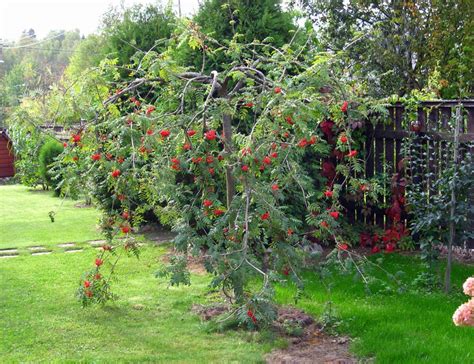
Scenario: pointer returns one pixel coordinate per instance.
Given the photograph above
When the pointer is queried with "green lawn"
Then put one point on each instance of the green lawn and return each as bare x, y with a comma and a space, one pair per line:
24, 219
40, 319
395, 328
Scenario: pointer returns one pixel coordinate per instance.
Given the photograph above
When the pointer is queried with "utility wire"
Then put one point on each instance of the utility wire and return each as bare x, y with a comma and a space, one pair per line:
36, 43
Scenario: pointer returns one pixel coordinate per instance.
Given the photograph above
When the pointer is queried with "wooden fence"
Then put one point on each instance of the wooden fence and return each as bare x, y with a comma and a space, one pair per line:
383, 147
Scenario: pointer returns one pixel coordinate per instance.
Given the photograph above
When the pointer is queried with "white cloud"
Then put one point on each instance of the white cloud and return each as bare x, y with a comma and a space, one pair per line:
46, 15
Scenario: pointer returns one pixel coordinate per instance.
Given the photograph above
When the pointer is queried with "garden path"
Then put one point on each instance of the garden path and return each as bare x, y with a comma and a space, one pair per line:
156, 237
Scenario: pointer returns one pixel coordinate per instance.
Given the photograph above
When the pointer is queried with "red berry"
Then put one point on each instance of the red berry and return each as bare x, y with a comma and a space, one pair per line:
191, 132
149, 132
196, 160
343, 139
115, 173
289, 120
249, 104
96, 156
313, 140
87, 284
76, 138
246, 151
244, 168
302, 143
65, 145
165, 133
267, 160
274, 155
89, 293
125, 229
344, 106
98, 262
97, 276
277, 90
352, 153
209, 159
328, 193
334, 214
265, 216
120, 160
218, 212
289, 232
125, 215
343, 246
207, 203
150, 110
324, 224
210, 135
212, 171
187, 146
275, 187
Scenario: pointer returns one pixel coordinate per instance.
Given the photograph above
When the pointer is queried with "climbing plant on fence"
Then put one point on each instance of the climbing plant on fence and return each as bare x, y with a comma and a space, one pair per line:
228, 154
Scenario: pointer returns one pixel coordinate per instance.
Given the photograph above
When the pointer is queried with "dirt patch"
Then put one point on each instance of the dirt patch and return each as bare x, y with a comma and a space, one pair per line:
195, 264
157, 233
209, 312
308, 343
83, 205
315, 348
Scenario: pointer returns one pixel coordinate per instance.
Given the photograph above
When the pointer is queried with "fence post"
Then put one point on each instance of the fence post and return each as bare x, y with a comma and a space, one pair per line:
447, 282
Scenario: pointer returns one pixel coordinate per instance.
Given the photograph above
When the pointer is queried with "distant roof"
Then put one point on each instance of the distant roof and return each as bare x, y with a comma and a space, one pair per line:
3, 131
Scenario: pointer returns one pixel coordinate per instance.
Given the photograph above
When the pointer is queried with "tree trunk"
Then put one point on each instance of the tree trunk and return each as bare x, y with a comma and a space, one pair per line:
230, 183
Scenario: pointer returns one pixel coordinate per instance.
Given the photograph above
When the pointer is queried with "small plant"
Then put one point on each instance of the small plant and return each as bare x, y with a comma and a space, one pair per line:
47, 155
292, 328
330, 319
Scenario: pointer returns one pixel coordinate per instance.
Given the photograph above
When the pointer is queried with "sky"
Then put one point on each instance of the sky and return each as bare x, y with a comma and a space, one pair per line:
46, 15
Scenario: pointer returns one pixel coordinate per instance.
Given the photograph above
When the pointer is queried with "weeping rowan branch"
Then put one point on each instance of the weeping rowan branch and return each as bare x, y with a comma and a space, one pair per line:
132, 86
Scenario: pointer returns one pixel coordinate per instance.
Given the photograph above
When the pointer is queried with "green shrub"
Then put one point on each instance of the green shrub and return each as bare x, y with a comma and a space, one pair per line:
47, 155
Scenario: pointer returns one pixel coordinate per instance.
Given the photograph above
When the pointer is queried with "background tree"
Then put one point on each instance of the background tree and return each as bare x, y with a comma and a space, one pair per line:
401, 44
127, 31
223, 19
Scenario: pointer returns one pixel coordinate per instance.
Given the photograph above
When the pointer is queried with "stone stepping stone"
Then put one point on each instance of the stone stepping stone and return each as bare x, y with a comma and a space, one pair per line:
36, 248
8, 256
66, 245
8, 252
41, 253
73, 250
97, 243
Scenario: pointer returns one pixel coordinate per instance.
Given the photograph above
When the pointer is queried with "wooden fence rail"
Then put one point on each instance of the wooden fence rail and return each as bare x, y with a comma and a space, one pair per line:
383, 147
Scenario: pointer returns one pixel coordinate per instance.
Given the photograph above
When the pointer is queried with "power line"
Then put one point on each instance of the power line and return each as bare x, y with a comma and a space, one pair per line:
52, 49
36, 43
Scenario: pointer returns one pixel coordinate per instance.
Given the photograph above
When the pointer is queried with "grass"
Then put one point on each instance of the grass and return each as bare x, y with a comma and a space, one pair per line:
41, 321
403, 328
24, 219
